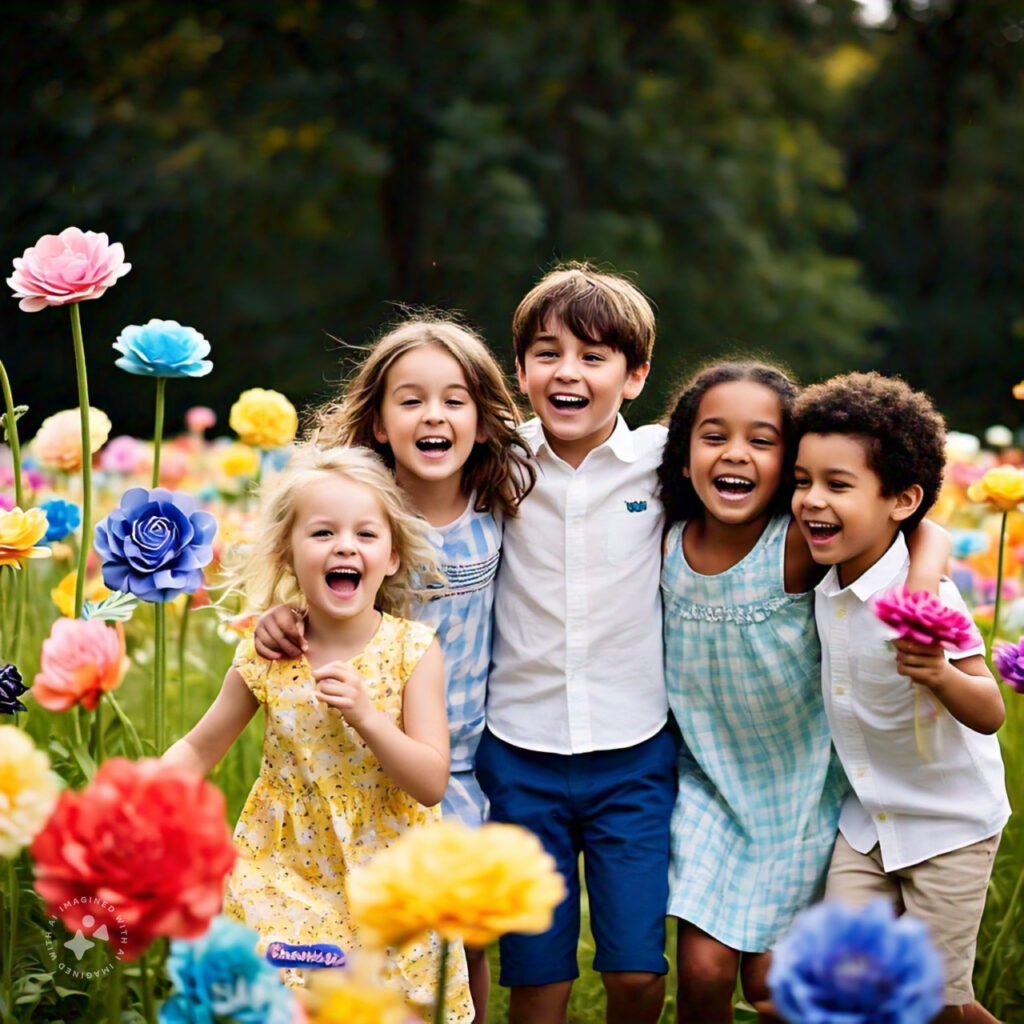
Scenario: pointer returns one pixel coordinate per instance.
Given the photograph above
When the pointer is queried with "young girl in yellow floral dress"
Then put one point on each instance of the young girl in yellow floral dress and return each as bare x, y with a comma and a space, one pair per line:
355, 750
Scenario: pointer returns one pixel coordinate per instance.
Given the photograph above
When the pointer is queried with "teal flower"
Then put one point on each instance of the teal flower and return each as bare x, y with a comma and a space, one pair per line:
163, 348
62, 518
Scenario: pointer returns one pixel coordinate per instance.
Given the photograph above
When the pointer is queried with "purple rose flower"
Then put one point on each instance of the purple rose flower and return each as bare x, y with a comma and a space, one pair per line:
11, 688
857, 966
923, 617
155, 544
1009, 662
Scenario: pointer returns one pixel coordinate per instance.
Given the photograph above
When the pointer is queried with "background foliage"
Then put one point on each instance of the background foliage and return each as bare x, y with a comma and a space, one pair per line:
777, 175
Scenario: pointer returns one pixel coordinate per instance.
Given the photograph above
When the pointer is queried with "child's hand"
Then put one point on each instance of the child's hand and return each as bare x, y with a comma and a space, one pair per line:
342, 687
922, 663
280, 633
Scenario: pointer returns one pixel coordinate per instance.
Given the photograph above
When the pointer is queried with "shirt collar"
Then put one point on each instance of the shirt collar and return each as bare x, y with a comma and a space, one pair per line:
878, 577
620, 443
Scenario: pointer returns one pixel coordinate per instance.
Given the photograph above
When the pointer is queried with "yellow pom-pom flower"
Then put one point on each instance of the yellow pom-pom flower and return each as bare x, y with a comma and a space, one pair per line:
465, 883
63, 595
28, 790
347, 997
1001, 486
19, 533
238, 460
264, 418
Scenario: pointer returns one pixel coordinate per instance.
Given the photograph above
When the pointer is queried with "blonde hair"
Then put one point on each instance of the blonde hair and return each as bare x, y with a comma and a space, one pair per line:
265, 577
498, 469
594, 305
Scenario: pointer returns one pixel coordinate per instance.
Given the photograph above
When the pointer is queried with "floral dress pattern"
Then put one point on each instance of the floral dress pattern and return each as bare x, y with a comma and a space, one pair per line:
322, 805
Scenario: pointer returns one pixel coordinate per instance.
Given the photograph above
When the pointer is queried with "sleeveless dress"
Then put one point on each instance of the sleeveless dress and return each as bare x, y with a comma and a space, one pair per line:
760, 787
322, 805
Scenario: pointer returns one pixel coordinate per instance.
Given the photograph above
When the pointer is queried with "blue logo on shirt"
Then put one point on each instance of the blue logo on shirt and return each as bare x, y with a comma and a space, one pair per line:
636, 506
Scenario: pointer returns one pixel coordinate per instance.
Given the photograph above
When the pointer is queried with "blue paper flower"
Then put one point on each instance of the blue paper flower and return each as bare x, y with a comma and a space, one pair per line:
11, 688
857, 967
155, 544
220, 977
163, 348
61, 518
969, 542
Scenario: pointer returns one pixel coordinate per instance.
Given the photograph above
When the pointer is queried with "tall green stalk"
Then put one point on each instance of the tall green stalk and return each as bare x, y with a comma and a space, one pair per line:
999, 585
158, 428
83, 406
11, 929
159, 676
11, 426
182, 632
442, 983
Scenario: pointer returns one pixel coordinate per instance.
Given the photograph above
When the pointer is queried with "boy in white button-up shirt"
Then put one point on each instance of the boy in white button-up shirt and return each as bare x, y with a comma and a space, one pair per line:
577, 748
929, 800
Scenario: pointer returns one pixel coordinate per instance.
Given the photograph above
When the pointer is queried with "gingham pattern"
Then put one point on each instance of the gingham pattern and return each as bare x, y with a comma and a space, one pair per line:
468, 550
759, 788
464, 799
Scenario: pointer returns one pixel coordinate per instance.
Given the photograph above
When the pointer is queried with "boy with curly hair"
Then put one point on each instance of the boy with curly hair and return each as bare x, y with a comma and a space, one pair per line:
921, 826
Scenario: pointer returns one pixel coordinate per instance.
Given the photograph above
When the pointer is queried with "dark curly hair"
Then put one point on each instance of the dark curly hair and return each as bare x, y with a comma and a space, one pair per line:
905, 433
676, 491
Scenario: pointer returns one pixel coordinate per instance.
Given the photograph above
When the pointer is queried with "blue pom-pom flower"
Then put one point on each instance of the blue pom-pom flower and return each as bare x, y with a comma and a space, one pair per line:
163, 348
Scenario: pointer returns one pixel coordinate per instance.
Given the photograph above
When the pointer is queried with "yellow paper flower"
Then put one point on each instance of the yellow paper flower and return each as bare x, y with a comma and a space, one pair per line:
28, 790
238, 460
1002, 486
19, 532
347, 997
63, 595
58, 444
263, 418
470, 883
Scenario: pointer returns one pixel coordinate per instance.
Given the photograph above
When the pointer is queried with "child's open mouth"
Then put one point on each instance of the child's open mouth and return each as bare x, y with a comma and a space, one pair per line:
733, 486
433, 445
343, 581
569, 403
821, 531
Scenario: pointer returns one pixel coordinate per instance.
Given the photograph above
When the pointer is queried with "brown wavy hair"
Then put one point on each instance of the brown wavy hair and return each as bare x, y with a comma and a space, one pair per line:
498, 469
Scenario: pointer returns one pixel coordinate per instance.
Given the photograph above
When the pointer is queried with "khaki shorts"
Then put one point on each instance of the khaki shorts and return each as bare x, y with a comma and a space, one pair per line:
946, 892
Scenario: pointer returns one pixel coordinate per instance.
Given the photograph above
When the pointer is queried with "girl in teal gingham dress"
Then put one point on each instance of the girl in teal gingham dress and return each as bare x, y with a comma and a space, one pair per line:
760, 787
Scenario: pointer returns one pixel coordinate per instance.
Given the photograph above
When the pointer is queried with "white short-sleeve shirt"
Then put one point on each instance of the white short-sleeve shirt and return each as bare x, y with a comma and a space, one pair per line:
577, 662
914, 808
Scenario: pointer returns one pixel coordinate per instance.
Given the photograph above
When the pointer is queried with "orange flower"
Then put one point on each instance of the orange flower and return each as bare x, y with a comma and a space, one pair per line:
81, 660
1018, 390
58, 444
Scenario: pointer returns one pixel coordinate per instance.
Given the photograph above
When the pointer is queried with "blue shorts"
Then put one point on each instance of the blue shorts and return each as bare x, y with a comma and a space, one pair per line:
614, 807
464, 799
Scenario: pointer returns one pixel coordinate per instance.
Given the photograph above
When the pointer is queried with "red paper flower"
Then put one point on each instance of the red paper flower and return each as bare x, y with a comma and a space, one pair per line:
143, 849
923, 617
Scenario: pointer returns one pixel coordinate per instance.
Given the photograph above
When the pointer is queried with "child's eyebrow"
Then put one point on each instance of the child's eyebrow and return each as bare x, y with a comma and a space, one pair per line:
718, 421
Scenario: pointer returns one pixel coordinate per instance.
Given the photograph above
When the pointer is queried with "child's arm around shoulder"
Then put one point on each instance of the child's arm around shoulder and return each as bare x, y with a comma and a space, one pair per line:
416, 757
209, 739
965, 686
929, 546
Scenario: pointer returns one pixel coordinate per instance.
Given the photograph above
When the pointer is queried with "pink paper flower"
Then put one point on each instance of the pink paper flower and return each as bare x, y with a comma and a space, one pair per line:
200, 418
923, 617
123, 454
81, 660
70, 267
58, 444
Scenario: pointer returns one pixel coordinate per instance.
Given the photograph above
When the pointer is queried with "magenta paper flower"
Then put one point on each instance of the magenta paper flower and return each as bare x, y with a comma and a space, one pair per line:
923, 617
1009, 662
70, 267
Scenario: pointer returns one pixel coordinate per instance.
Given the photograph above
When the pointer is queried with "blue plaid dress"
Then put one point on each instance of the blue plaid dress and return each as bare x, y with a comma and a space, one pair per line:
468, 551
759, 786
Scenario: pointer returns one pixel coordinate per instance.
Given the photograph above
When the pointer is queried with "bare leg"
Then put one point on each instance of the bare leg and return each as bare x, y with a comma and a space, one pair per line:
707, 977
539, 1004
972, 1013
634, 997
479, 981
754, 976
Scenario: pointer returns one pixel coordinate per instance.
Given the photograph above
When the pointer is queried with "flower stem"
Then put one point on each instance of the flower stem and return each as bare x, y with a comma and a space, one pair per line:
1004, 927
114, 998
999, 584
159, 675
83, 406
146, 978
181, 663
442, 983
158, 428
97, 733
12, 928
11, 426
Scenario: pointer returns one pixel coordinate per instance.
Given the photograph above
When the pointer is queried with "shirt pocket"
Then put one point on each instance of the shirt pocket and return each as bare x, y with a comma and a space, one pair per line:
630, 534
886, 696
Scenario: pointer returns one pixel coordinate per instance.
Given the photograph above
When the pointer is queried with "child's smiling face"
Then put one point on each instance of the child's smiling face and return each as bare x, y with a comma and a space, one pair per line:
736, 451
576, 387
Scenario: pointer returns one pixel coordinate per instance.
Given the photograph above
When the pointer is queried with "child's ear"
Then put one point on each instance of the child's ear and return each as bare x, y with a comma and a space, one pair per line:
393, 563
380, 435
521, 376
635, 380
907, 502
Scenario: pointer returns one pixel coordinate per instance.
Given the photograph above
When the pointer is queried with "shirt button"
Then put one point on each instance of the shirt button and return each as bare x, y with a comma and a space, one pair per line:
840, 689
841, 612
881, 817
860, 773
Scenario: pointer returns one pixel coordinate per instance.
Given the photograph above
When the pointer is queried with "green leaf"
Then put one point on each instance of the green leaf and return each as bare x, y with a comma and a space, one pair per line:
118, 607
19, 411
